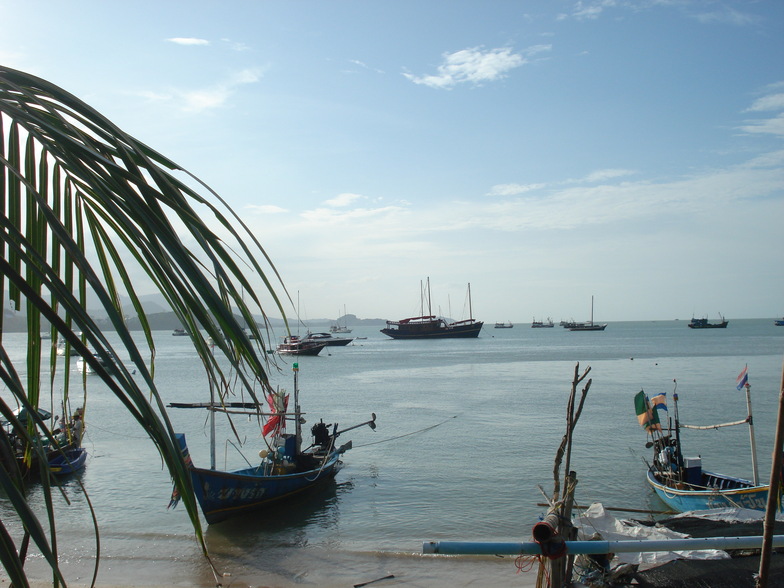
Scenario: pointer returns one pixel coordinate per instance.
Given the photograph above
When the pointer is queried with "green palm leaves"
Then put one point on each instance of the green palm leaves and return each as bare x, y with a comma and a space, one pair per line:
88, 211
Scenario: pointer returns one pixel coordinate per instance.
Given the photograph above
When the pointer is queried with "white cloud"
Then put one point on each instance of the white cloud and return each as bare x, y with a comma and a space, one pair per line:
726, 15
199, 100
473, 66
770, 126
513, 189
343, 199
188, 41
772, 102
607, 174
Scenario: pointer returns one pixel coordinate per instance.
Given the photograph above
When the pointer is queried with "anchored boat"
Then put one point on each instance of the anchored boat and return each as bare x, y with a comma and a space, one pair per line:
285, 469
680, 481
432, 327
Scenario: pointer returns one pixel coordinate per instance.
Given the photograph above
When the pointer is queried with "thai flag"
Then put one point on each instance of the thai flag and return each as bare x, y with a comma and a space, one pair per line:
743, 378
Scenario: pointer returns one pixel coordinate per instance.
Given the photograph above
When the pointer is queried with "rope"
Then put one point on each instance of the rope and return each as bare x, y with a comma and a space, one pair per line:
406, 434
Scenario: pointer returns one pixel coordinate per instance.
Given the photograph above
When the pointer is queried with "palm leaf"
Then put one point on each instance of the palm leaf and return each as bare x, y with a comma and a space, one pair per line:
81, 202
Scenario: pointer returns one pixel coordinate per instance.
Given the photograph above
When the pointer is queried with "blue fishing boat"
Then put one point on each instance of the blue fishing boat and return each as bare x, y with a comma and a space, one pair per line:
285, 469
680, 481
779, 322
69, 461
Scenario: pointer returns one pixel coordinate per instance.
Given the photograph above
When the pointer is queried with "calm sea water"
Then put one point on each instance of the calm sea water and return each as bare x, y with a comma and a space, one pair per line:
467, 432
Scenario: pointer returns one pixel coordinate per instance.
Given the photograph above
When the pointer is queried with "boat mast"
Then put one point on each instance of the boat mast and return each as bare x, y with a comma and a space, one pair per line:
751, 436
591, 309
298, 420
429, 305
212, 427
470, 310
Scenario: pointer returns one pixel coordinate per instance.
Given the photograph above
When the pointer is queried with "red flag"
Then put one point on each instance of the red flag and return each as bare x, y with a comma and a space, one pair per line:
277, 423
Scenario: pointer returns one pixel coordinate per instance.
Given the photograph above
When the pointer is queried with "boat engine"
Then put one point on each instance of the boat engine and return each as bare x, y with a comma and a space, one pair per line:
321, 434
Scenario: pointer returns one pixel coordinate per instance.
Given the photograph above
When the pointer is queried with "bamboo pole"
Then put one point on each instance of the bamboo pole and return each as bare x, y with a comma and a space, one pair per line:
773, 493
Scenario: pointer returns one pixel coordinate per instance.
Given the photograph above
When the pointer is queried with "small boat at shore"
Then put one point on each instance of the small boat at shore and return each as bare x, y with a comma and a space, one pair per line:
285, 469
432, 327
69, 461
704, 323
295, 345
680, 481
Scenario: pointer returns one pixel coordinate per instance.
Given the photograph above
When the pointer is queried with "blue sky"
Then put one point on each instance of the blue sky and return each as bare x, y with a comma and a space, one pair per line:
543, 151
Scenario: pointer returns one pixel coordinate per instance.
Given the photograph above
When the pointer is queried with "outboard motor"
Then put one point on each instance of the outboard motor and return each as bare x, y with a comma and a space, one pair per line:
321, 434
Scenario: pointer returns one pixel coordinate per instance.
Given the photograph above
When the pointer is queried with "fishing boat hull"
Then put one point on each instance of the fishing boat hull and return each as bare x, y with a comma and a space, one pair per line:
704, 323
587, 327
432, 328
294, 345
68, 461
223, 495
713, 491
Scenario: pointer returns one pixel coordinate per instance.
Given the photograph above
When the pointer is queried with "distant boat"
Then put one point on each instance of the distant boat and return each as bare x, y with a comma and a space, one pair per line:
432, 327
779, 322
589, 326
508, 325
337, 327
535, 324
704, 323
285, 469
179, 332
328, 339
294, 345
85, 367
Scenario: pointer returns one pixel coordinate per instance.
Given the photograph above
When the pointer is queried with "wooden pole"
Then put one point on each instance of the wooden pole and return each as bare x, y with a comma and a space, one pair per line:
773, 493
752, 441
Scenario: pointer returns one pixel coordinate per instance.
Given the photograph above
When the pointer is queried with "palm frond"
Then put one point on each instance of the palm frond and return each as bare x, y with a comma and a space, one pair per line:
84, 207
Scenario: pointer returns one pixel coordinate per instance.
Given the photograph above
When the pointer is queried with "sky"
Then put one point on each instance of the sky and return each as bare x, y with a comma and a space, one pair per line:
543, 151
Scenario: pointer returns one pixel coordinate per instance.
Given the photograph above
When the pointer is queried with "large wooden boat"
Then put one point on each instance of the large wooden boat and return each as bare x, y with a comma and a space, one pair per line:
432, 327
285, 468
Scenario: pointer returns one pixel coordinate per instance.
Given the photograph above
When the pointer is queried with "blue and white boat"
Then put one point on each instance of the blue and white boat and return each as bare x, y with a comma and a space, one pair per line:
285, 469
68, 461
680, 481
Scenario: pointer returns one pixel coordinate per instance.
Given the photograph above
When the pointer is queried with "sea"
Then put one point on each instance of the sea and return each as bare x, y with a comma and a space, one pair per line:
464, 450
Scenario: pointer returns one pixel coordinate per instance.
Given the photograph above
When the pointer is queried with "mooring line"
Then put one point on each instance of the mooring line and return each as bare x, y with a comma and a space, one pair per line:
407, 434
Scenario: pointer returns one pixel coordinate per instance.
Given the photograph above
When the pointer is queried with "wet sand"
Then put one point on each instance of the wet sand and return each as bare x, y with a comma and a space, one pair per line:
321, 568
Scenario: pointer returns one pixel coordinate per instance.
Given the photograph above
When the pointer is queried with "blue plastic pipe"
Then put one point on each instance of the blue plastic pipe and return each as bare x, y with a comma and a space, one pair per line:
598, 547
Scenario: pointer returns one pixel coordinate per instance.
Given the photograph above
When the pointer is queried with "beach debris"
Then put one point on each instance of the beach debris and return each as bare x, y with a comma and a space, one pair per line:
373, 581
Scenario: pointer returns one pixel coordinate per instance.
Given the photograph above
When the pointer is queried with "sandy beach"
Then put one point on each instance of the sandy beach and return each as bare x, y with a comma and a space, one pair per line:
322, 569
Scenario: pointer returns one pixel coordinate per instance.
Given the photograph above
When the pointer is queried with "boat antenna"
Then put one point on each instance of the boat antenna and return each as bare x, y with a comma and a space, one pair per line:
678, 453
751, 433
297, 414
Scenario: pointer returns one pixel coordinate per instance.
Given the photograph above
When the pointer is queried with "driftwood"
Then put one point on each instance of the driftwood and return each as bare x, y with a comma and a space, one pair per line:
559, 515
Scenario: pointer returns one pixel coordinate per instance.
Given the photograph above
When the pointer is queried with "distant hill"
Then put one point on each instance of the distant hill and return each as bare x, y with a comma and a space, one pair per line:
163, 320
